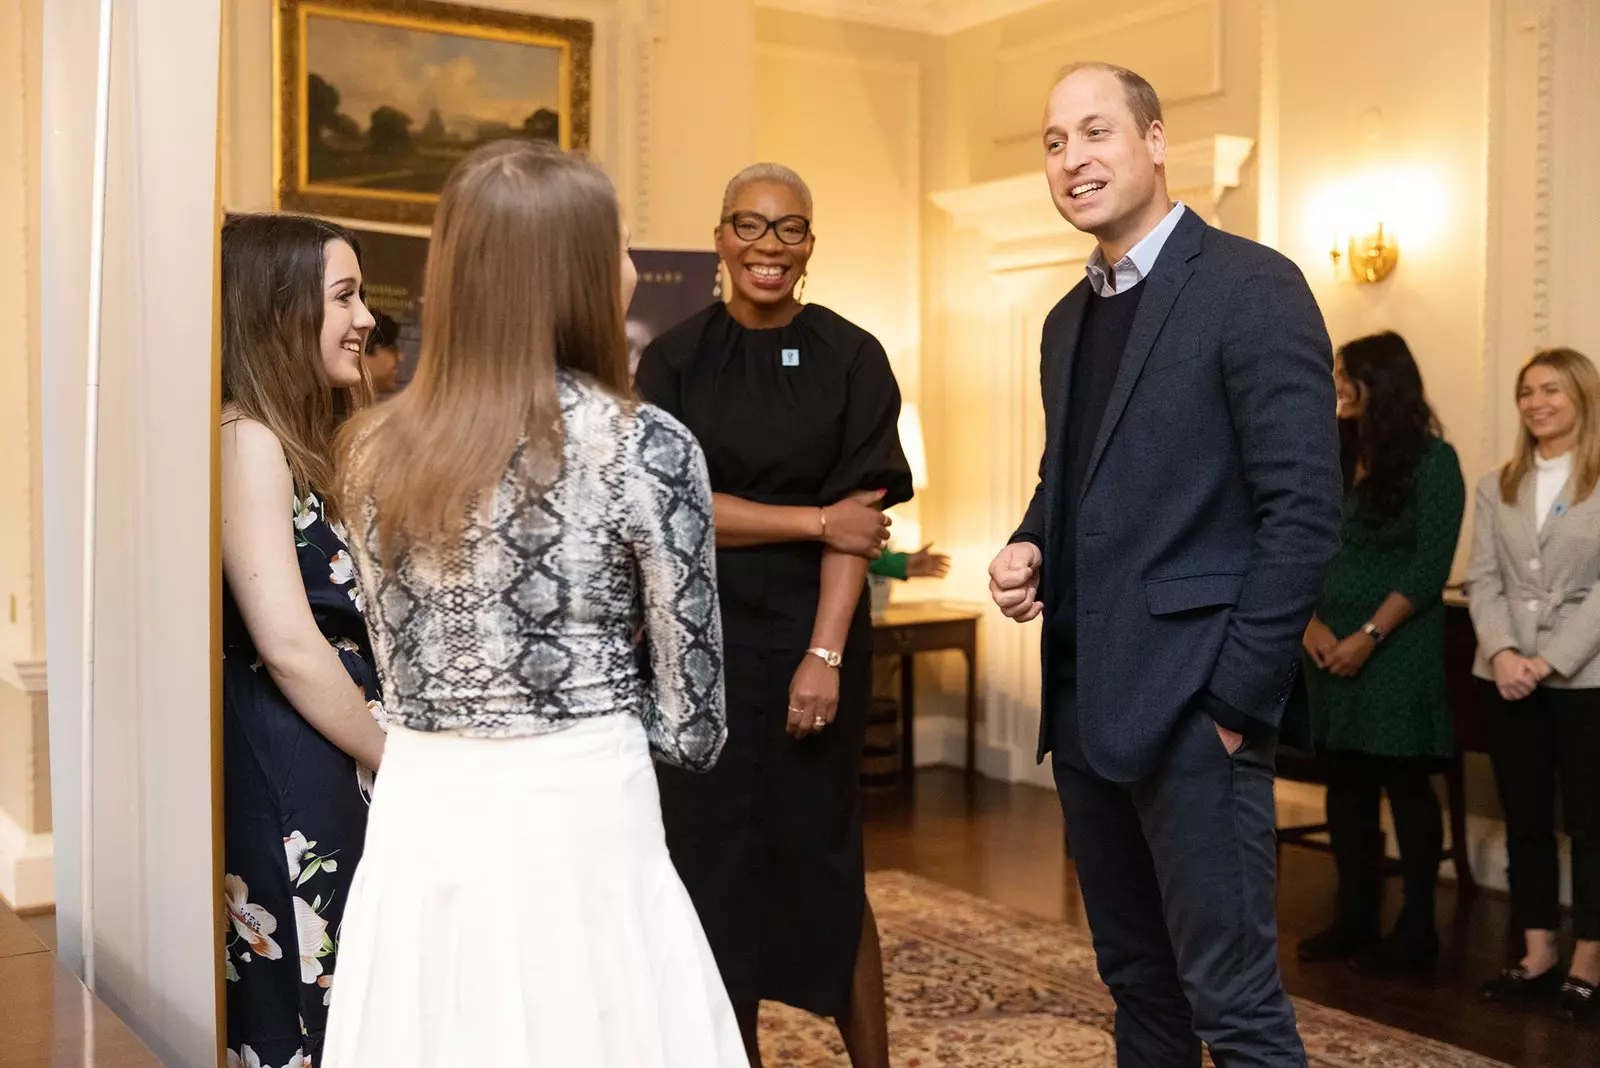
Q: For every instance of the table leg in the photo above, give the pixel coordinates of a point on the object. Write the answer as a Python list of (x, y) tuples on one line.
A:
[(972, 711), (908, 732)]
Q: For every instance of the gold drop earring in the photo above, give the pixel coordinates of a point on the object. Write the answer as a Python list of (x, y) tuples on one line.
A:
[(800, 290)]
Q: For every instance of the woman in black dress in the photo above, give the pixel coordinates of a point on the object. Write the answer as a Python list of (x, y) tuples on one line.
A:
[(796, 410), (299, 693)]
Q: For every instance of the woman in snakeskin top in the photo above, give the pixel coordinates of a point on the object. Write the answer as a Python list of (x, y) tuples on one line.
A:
[(516, 522)]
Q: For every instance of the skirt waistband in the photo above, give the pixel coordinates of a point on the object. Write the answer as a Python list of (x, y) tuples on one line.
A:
[(583, 751)]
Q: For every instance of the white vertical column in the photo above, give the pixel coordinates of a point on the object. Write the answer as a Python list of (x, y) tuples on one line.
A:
[(155, 875)]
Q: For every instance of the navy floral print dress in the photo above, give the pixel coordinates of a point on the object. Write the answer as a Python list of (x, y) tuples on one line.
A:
[(295, 815)]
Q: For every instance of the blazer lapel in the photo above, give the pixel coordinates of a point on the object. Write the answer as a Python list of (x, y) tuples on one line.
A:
[(1172, 270), (1527, 507), (1560, 507), (1063, 350)]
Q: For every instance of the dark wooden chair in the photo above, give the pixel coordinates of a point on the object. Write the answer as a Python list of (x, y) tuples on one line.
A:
[(1298, 766)]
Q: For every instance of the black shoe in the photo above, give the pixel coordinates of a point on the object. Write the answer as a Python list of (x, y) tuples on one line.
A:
[(1399, 954), (1515, 984), (1576, 1000), (1336, 943)]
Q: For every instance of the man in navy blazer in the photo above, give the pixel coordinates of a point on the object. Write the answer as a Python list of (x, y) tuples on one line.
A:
[(1188, 504)]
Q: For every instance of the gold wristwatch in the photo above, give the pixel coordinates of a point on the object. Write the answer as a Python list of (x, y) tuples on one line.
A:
[(827, 656)]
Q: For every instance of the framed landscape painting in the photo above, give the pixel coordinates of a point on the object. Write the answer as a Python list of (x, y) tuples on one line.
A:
[(378, 99)]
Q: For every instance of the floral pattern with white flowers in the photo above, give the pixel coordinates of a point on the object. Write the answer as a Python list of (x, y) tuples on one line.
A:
[(341, 569), (286, 892), (315, 942), (247, 1058), (251, 923), (303, 863)]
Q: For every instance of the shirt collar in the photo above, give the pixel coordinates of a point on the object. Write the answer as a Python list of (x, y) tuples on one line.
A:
[(1555, 463), (1139, 261)]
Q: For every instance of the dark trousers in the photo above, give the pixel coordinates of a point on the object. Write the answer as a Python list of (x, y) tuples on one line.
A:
[(1356, 783), (1552, 735), (1178, 873)]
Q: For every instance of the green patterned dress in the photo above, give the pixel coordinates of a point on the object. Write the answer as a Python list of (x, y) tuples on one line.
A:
[(1396, 705)]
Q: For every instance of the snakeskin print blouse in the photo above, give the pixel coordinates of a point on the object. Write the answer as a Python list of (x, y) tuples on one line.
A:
[(528, 623)]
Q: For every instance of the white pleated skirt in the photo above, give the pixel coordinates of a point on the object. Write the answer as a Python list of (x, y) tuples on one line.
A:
[(516, 906)]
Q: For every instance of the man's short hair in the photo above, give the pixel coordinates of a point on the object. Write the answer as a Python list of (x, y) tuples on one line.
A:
[(385, 332), (1141, 95)]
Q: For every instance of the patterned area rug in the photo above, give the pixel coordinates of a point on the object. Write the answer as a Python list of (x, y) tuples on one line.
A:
[(973, 984)]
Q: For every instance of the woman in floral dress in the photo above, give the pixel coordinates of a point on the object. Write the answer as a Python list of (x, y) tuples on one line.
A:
[(301, 719)]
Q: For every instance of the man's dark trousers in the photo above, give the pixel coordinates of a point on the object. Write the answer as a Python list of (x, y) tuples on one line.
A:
[(1159, 860)]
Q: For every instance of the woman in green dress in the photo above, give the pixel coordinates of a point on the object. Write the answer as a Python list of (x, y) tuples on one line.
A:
[(1374, 654)]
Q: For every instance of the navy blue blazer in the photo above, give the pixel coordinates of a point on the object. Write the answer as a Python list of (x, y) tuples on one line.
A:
[(1211, 507)]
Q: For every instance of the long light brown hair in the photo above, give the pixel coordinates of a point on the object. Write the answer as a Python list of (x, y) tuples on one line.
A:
[(273, 269), (1581, 383), (524, 275)]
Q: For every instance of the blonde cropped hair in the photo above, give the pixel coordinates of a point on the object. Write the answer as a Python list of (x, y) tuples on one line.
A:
[(774, 173)]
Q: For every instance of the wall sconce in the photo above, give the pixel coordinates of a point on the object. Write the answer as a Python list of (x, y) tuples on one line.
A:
[(1373, 254)]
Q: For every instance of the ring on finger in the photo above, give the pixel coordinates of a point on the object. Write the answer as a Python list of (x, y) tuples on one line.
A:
[(818, 723)]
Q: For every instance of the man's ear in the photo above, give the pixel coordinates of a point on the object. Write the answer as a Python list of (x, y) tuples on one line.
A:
[(1156, 136)]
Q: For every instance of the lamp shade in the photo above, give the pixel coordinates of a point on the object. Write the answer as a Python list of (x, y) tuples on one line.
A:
[(910, 428)]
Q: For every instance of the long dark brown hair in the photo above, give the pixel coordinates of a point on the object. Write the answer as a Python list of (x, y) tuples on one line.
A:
[(1396, 428), (524, 276), (272, 370)]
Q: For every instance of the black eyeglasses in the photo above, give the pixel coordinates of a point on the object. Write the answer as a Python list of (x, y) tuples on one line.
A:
[(751, 226)]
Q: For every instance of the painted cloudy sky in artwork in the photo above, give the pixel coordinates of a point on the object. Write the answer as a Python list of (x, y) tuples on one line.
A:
[(468, 79)]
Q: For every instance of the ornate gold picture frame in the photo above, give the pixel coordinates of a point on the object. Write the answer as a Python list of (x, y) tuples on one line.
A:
[(378, 99)]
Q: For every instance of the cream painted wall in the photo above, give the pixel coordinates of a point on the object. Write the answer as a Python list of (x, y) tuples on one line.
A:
[(155, 882), (1420, 130), (668, 126), (1485, 140), (843, 104), (20, 640), (702, 115), (1202, 56), (26, 877)]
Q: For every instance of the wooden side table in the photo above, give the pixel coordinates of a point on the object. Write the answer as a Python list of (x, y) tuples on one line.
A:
[(904, 630)]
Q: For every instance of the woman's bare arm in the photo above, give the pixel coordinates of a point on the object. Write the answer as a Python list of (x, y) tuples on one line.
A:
[(263, 573), (854, 525)]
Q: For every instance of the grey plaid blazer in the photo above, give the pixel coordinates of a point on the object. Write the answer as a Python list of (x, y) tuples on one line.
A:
[(1537, 592)]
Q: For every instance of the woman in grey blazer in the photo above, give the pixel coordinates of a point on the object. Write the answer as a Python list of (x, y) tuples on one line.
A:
[(1534, 585)]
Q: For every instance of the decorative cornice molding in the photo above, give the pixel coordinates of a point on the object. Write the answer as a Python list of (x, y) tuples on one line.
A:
[(33, 675), (1212, 164), (937, 17), (1024, 229)]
